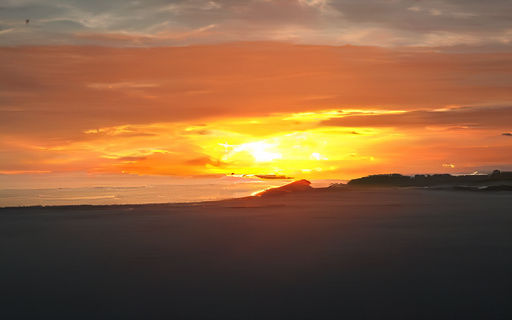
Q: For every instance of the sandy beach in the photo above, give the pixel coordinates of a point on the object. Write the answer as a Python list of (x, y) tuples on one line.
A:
[(345, 254)]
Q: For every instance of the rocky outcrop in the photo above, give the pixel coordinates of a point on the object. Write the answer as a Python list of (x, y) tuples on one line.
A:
[(296, 186)]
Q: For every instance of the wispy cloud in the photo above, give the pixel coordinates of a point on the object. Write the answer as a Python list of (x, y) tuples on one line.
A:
[(136, 38), (177, 22), (456, 118), (146, 85), (122, 85), (213, 109)]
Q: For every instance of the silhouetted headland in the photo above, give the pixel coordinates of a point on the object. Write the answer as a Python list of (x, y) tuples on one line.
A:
[(296, 186), (497, 180)]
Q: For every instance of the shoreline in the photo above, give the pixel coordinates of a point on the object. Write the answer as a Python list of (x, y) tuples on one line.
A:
[(344, 188)]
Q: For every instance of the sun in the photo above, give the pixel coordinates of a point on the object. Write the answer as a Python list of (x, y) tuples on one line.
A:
[(261, 151), (307, 153)]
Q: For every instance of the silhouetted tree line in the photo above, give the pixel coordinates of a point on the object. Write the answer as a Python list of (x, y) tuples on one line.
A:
[(426, 180)]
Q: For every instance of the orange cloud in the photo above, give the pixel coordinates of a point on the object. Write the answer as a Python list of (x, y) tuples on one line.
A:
[(55, 89), (254, 108)]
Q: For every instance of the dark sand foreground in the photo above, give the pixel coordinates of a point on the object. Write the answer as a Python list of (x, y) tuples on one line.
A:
[(366, 254)]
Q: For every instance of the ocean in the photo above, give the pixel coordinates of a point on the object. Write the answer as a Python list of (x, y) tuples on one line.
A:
[(142, 190)]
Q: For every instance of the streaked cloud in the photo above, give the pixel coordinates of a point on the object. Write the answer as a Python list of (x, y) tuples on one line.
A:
[(454, 118), (271, 144), (252, 108), (63, 91), (122, 85), (335, 22), (200, 87)]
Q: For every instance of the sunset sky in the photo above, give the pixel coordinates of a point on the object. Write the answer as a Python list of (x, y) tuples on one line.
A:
[(313, 89)]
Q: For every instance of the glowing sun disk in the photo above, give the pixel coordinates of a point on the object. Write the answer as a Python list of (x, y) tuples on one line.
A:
[(259, 150)]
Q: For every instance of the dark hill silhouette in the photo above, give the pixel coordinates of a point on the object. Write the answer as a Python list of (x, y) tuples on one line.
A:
[(296, 186), (495, 181), (425, 180)]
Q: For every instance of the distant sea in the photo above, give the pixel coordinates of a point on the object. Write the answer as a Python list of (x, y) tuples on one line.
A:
[(133, 192)]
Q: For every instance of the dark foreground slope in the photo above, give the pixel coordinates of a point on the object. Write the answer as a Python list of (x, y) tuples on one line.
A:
[(356, 254)]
